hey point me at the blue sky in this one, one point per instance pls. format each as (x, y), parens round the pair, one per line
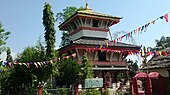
(24, 19)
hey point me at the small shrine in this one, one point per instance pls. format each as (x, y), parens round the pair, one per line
(88, 31)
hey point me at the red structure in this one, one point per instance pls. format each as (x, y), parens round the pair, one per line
(40, 88)
(156, 75)
(135, 90)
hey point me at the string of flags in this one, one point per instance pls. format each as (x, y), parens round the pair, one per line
(157, 53)
(139, 30)
(36, 64)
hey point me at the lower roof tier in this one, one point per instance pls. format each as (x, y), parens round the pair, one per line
(92, 44)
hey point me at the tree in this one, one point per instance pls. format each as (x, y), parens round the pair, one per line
(67, 12)
(87, 71)
(61, 17)
(161, 44)
(3, 37)
(32, 75)
(9, 57)
(133, 68)
(69, 71)
(50, 38)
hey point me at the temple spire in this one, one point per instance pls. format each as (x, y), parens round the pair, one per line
(87, 7)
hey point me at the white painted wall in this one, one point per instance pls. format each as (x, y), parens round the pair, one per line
(89, 33)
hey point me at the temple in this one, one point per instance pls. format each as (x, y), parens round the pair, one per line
(88, 31)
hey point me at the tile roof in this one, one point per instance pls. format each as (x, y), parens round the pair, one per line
(90, 12)
(99, 42)
(158, 62)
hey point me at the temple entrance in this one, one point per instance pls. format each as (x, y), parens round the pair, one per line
(157, 83)
(141, 84)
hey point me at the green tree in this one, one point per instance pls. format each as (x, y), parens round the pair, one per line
(3, 37)
(9, 57)
(69, 71)
(32, 75)
(67, 12)
(161, 44)
(87, 66)
(61, 17)
(50, 38)
(133, 68)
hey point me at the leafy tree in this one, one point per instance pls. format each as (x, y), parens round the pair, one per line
(133, 68)
(67, 12)
(9, 57)
(61, 17)
(69, 71)
(3, 37)
(50, 38)
(32, 75)
(163, 43)
(87, 71)
(65, 39)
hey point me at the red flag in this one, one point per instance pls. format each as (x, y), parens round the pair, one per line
(166, 17)
(28, 65)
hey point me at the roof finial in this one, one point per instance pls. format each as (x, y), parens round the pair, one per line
(87, 7)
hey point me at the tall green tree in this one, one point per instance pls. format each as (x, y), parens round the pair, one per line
(61, 17)
(9, 57)
(87, 71)
(3, 37)
(50, 38)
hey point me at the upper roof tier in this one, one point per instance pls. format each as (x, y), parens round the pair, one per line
(88, 13)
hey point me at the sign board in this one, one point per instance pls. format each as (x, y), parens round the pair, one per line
(93, 82)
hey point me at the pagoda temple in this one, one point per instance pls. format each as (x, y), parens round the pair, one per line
(88, 31)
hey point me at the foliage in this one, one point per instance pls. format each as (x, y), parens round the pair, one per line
(3, 37)
(61, 17)
(69, 71)
(106, 92)
(91, 92)
(50, 38)
(67, 12)
(9, 57)
(63, 91)
(87, 66)
(133, 68)
(161, 44)
(65, 39)
(20, 75)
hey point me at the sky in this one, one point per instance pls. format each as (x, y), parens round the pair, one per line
(24, 19)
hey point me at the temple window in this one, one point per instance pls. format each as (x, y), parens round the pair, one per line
(95, 23)
(101, 56)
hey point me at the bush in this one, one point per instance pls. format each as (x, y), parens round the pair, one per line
(63, 91)
(91, 92)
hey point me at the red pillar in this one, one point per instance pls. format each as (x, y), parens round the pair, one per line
(148, 86)
(40, 90)
(105, 86)
(135, 87)
(76, 89)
